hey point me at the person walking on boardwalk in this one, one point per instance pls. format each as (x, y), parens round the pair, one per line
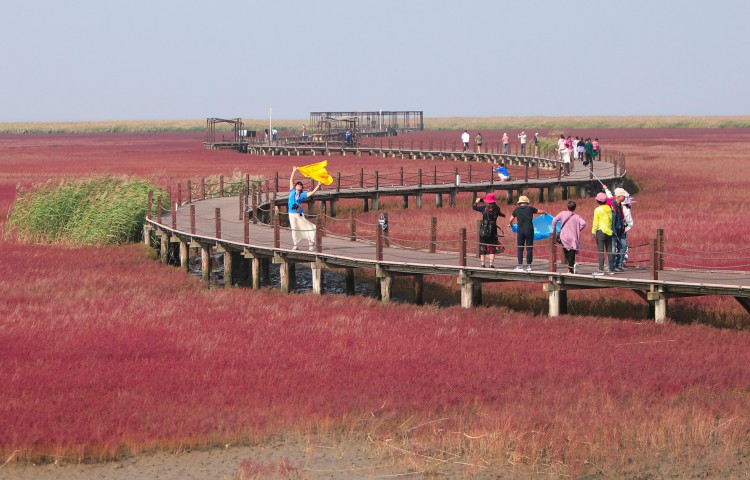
(522, 137)
(589, 148)
(601, 228)
(478, 142)
(524, 216)
(560, 146)
(506, 144)
(488, 235)
(570, 233)
(465, 137)
(300, 226)
(537, 142)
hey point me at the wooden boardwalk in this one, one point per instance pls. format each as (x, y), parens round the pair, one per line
(265, 243)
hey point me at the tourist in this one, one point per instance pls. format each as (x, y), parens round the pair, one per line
(601, 228)
(465, 139)
(560, 146)
(575, 148)
(488, 238)
(595, 147)
(571, 227)
(348, 137)
(566, 160)
(589, 149)
(478, 141)
(524, 216)
(522, 136)
(619, 225)
(304, 131)
(502, 173)
(581, 149)
(627, 204)
(274, 133)
(300, 226)
(537, 142)
(506, 144)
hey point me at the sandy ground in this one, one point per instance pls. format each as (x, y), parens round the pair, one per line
(349, 460)
(346, 460)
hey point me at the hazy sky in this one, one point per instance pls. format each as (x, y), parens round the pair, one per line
(81, 60)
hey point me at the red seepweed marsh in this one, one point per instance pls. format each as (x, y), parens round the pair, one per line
(108, 352)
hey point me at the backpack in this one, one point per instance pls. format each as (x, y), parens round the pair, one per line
(485, 228)
(618, 222)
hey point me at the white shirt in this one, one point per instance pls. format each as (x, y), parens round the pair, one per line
(522, 136)
(465, 137)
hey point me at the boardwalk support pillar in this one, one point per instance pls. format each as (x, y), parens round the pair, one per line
(418, 200)
(558, 299)
(419, 289)
(287, 274)
(205, 262)
(316, 270)
(659, 300)
(471, 291)
(385, 280)
(439, 200)
(349, 277)
(228, 269)
(164, 248)
(147, 229)
(184, 255)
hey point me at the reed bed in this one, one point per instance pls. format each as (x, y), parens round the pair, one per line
(88, 211)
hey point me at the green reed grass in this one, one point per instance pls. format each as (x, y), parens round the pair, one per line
(89, 211)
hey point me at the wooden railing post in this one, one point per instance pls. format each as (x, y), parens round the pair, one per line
(246, 229)
(434, 175)
(377, 181)
(189, 191)
(433, 234)
(419, 178)
(378, 243)
(150, 206)
(660, 237)
(462, 247)
(338, 182)
(276, 230)
(242, 205)
(254, 200)
(552, 252)
(655, 259)
(361, 178)
(401, 178)
(158, 208)
(192, 219)
(492, 174)
(319, 235)
(203, 188)
(221, 186)
(526, 169)
(179, 193)
(218, 222)
(174, 218)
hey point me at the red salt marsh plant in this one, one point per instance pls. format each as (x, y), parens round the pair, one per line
(108, 352)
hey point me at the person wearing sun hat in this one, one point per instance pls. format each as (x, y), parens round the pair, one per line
(619, 226)
(488, 241)
(601, 228)
(524, 216)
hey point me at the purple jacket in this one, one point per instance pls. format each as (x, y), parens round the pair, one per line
(570, 234)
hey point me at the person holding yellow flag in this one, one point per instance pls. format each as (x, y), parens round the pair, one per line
(301, 227)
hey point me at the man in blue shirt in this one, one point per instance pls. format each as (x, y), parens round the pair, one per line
(502, 172)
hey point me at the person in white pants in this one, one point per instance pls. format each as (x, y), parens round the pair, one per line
(300, 226)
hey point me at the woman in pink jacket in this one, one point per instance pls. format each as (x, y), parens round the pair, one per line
(570, 233)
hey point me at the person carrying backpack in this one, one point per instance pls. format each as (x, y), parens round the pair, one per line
(488, 234)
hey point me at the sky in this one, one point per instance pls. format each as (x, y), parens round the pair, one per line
(94, 60)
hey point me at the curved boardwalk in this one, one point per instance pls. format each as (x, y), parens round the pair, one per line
(223, 225)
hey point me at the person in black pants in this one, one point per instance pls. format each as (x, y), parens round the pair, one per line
(488, 242)
(524, 216)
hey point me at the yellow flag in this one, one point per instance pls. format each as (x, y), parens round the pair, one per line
(317, 171)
